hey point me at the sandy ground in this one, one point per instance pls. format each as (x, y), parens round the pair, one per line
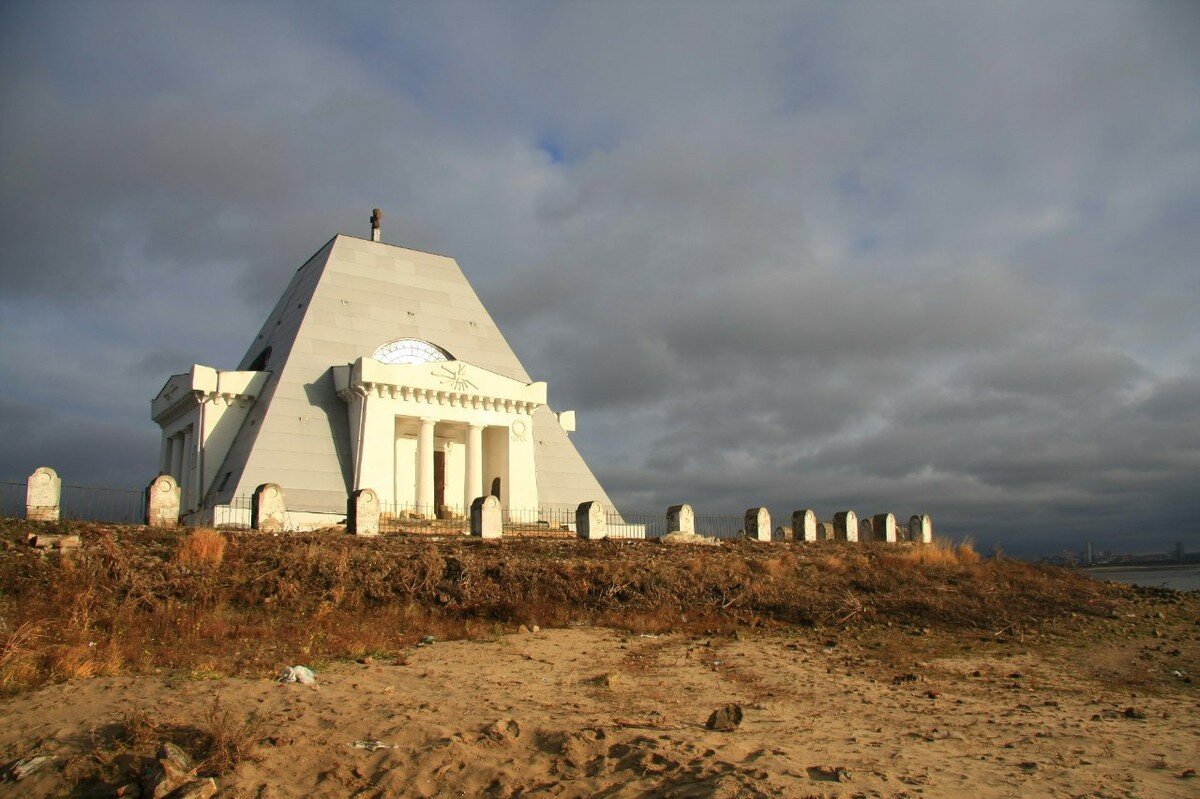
(591, 712)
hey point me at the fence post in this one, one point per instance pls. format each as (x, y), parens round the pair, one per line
(362, 513)
(268, 511)
(758, 524)
(804, 525)
(845, 526)
(162, 502)
(486, 521)
(590, 521)
(920, 529)
(42, 494)
(884, 526)
(681, 519)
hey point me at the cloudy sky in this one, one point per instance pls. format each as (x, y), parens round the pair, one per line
(884, 256)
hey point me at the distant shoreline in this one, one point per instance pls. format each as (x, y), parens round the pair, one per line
(1130, 567)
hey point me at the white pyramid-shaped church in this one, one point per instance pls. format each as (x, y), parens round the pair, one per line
(378, 368)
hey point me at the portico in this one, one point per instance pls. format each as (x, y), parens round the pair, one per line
(430, 437)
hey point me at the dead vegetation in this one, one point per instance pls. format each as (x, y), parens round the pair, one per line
(122, 753)
(206, 604)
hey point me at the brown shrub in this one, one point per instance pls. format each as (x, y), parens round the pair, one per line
(201, 548)
(19, 657)
(308, 596)
(965, 552)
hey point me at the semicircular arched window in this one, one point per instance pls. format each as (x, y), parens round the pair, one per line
(411, 350)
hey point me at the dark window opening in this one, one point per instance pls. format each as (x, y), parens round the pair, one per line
(260, 363)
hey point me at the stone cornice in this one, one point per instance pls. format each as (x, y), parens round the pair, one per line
(455, 384)
(203, 384)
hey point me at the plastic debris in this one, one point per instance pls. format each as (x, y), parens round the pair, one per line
(373, 746)
(300, 674)
(427, 641)
(23, 768)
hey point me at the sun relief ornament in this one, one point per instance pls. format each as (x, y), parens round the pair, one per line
(454, 376)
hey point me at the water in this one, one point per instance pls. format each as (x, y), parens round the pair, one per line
(1182, 578)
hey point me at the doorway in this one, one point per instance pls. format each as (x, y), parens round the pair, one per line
(439, 479)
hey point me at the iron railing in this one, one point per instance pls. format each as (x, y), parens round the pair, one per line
(127, 506)
(83, 503)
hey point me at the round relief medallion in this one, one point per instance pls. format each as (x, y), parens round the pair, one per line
(44, 477)
(272, 493)
(519, 429)
(164, 486)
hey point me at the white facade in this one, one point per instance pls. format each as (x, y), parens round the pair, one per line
(378, 368)
(439, 434)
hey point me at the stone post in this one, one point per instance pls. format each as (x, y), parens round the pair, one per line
(804, 525)
(42, 492)
(590, 521)
(362, 513)
(866, 530)
(758, 524)
(885, 527)
(162, 502)
(845, 526)
(267, 509)
(485, 517)
(825, 531)
(920, 529)
(681, 519)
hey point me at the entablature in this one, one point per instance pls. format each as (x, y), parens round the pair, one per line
(202, 384)
(452, 383)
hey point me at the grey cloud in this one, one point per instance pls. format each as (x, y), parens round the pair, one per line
(923, 258)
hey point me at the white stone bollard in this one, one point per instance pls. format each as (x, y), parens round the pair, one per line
(804, 525)
(590, 521)
(825, 531)
(866, 531)
(681, 519)
(362, 515)
(845, 526)
(758, 524)
(268, 511)
(42, 493)
(920, 529)
(162, 502)
(486, 521)
(884, 525)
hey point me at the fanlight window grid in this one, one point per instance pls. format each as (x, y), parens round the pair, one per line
(411, 350)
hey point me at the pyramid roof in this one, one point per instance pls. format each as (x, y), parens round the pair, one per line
(347, 300)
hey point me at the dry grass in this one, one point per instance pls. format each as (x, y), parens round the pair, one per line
(201, 548)
(120, 753)
(206, 604)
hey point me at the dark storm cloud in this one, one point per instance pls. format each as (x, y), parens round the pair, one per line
(918, 258)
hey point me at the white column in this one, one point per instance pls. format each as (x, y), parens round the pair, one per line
(189, 464)
(164, 457)
(425, 468)
(474, 486)
(177, 457)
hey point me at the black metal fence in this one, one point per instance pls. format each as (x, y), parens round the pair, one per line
(84, 503)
